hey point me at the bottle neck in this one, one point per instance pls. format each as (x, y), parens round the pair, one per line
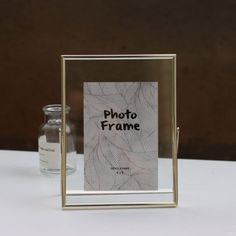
(53, 114)
(53, 118)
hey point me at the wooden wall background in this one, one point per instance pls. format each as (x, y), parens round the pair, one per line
(33, 35)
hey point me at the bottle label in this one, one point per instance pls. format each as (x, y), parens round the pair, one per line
(49, 154)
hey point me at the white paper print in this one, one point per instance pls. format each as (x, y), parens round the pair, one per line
(120, 135)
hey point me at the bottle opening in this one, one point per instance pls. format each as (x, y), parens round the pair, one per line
(54, 108)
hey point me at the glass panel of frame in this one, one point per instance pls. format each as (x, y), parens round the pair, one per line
(122, 118)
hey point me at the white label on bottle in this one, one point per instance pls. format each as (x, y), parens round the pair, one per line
(49, 154)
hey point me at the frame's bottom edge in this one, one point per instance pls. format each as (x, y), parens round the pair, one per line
(118, 206)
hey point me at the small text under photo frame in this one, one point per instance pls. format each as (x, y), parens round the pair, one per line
(122, 113)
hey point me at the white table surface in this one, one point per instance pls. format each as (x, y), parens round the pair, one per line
(30, 203)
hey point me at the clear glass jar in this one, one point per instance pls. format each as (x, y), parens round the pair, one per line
(49, 142)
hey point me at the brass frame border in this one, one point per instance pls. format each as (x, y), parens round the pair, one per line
(175, 136)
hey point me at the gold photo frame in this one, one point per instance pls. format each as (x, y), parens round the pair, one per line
(79, 69)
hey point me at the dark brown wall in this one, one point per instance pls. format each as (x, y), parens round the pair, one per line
(33, 35)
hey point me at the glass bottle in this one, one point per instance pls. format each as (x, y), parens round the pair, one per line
(49, 142)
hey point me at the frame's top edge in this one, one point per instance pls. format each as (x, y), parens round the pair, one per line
(117, 56)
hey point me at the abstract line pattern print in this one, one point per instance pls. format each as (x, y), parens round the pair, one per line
(120, 135)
